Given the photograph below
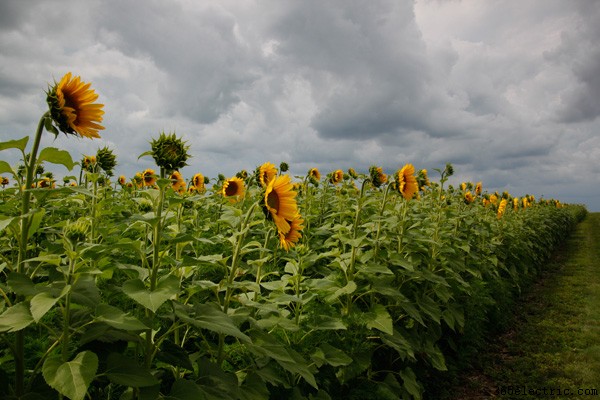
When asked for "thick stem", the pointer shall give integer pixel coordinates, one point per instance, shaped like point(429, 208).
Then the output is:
point(25, 222)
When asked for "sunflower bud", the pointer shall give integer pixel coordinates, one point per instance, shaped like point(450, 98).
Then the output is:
point(377, 176)
point(352, 173)
point(284, 167)
point(145, 205)
point(76, 232)
point(169, 152)
point(106, 160)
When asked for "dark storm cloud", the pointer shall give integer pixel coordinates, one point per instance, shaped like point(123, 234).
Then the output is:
point(195, 45)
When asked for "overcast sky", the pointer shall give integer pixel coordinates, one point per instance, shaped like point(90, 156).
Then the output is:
point(507, 91)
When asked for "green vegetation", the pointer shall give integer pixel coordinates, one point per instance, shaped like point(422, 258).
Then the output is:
point(554, 338)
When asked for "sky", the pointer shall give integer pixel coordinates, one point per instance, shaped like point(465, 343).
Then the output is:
point(507, 91)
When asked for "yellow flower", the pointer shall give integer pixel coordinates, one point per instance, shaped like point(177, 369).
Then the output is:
point(378, 178)
point(46, 182)
point(289, 240)
point(494, 199)
point(280, 202)
point(337, 176)
point(148, 177)
point(501, 208)
point(198, 181)
point(406, 182)
point(469, 198)
point(177, 181)
point(463, 186)
point(122, 180)
point(4, 181)
point(314, 173)
point(233, 187)
point(478, 189)
point(72, 107)
point(266, 173)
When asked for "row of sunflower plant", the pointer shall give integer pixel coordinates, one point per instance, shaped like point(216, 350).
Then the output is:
point(260, 285)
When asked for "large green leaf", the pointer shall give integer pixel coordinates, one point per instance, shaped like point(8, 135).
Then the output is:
point(72, 378)
point(379, 318)
point(15, 144)
point(21, 284)
point(5, 168)
point(166, 289)
point(125, 371)
point(118, 319)
point(183, 389)
point(15, 318)
point(326, 353)
point(205, 316)
point(174, 355)
point(56, 156)
point(41, 303)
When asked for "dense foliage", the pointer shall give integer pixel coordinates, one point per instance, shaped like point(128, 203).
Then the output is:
point(152, 291)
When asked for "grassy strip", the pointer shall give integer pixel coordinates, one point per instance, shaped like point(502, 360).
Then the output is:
point(554, 342)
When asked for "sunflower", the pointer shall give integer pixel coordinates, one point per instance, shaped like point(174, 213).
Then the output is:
point(177, 181)
point(516, 203)
point(423, 179)
point(336, 176)
point(406, 182)
point(4, 181)
point(198, 182)
point(469, 198)
point(352, 173)
point(89, 162)
point(478, 189)
point(46, 182)
point(72, 107)
point(280, 202)
point(463, 186)
point(315, 174)
point(149, 177)
point(378, 178)
point(122, 180)
point(266, 173)
point(170, 152)
point(288, 240)
point(233, 187)
point(501, 208)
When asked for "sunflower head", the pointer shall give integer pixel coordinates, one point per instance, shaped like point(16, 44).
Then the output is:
point(122, 180)
point(148, 177)
point(284, 167)
point(352, 173)
point(233, 188)
point(77, 231)
point(4, 181)
point(169, 152)
point(468, 197)
point(377, 176)
point(289, 239)
point(406, 182)
point(243, 174)
point(89, 163)
point(106, 160)
point(280, 203)
point(177, 181)
point(265, 173)
point(336, 176)
point(501, 208)
point(198, 182)
point(478, 188)
point(73, 109)
point(423, 179)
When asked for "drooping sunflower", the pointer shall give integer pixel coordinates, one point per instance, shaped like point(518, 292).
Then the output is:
point(289, 240)
point(73, 108)
point(233, 188)
point(423, 179)
point(406, 182)
point(501, 208)
point(198, 182)
point(337, 176)
point(469, 197)
point(177, 181)
point(280, 202)
point(314, 173)
point(122, 180)
point(149, 177)
point(352, 173)
point(106, 160)
point(478, 189)
point(377, 176)
point(266, 173)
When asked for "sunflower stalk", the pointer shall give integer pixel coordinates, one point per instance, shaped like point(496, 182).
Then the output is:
point(383, 203)
point(241, 235)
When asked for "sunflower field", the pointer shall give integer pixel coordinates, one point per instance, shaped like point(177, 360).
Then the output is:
point(262, 285)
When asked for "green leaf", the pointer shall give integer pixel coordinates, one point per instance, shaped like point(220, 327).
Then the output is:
point(21, 284)
point(409, 381)
point(72, 378)
point(41, 303)
point(125, 371)
point(379, 318)
point(166, 289)
point(326, 353)
point(6, 222)
point(56, 156)
point(174, 355)
point(15, 144)
point(118, 319)
point(323, 322)
point(85, 292)
point(348, 289)
point(146, 153)
point(15, 318)
point(206, 316)
point(183, 389)
point(5, 168)
point(36, 220)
